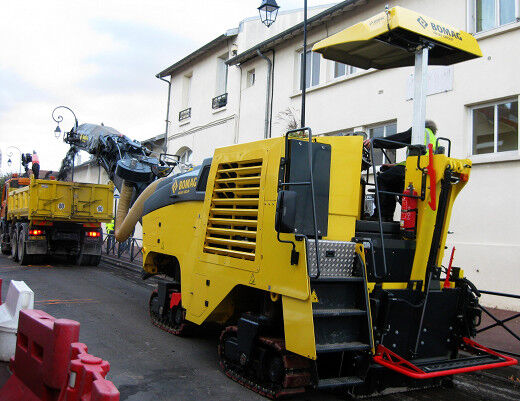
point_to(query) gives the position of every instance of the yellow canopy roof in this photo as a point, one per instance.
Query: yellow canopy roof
(390, 40)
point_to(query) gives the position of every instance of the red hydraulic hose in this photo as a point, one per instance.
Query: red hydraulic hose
(447, 280)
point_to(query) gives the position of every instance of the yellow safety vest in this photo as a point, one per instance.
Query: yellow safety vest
(110, 226)
(429, 137)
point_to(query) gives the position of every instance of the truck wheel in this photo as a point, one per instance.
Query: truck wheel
(14, 244)
(82, 260)
(95, 260)
(6, 248)
(5, 245)
(23, 257)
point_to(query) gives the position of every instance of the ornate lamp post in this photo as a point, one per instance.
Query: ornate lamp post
(268, 11)
(57, 131)
(10, 155)
(59, 119)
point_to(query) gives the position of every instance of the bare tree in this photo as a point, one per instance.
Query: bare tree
(288, 119)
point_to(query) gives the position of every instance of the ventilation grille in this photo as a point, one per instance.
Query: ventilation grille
(233, 215)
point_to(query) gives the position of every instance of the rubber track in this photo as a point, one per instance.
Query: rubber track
(297, 369)
(163, 325)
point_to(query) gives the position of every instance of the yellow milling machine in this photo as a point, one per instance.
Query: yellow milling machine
(270, 240)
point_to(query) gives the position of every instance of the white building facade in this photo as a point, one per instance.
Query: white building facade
(475, 104)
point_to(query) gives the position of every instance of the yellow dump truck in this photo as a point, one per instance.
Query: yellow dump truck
(49, 217)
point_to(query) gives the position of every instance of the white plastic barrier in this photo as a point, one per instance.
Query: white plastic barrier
(19, 296)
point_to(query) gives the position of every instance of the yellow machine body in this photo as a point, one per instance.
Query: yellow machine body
(209, 274)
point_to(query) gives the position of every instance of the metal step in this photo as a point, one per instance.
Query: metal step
(439, 366)
(338, 312)
(340, 347)
(339, 382)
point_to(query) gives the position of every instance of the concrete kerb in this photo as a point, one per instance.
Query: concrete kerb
(134, 267)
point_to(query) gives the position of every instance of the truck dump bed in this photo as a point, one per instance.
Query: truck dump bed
(61, 201)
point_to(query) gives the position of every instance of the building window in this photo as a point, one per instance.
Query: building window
(251, 78)
(382, 131)
(343, 132)
(341, 69)
(495, 127)
(491, 14)
(186, 90)
(312, 71)
(185, 156)
(222, 73)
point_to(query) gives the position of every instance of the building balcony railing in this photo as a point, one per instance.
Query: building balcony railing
(219, 101)
(185, 114)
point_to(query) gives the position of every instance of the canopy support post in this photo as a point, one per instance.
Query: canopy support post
(420, 80)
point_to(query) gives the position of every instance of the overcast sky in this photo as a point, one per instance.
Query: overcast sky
(99, 57)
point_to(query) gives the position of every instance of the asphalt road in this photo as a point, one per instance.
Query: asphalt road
(149, 364)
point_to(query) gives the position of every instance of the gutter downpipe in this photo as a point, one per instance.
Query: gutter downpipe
(237, 122)
(267, 92)
(165, 146)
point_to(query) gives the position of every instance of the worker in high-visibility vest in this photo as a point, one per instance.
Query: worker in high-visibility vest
(110, 227)
(391, 176)
(110, 235)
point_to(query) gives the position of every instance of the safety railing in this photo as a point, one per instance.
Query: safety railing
(129, 249)
(377, 191)
(185, 114)
(501, 322)
(219, 101)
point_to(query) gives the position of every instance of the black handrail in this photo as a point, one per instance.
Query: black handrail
(377, 192)
(378, 204)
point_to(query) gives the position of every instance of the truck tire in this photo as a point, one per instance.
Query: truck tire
(5, 246)
(82, 260)
(5, 249)
(23, 257)
(4, 233)
(94, 260)
(14, 244)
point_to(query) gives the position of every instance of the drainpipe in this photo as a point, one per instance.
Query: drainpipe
(267, 92)
(237, 122)
(165, 145)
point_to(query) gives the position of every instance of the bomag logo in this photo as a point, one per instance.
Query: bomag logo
(423, 23)
(446, 32)
(184, 186)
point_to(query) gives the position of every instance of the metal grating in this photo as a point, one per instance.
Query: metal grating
(233, 217)
(336, 258)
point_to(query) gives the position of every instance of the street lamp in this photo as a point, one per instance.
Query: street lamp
(59, 119)
(57, 131)
(10, 155)
(268, 11)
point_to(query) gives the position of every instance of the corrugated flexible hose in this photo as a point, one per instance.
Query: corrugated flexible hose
(126, 217)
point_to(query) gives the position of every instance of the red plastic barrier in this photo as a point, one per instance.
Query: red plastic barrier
(50, 365)
(87, 378)
(43, 351)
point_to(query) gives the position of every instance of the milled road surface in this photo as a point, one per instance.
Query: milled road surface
(149, 364)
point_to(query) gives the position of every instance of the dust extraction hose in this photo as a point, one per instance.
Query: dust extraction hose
(127, 219)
